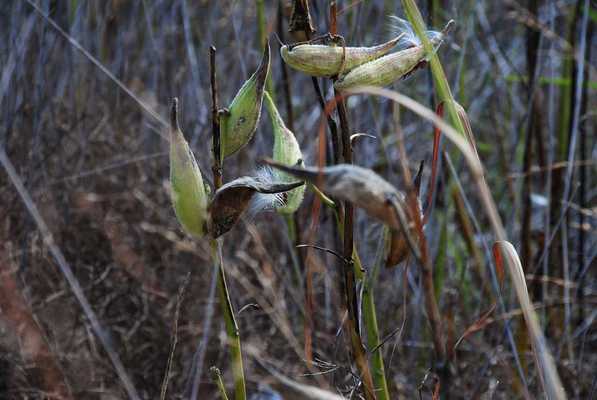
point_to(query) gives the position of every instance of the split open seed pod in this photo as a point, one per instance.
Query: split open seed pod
(323, 60)
(365, 189)
(288, 152)
(239, 123)
(187, 189)
(384, 71)
(234, 198)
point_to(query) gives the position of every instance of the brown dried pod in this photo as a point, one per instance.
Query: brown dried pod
(398, 247)
(234, 198)
(365, 189)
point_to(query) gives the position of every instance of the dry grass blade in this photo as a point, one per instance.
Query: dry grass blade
(66, 270)
(479, 324)
(548, 372)
(306, 391)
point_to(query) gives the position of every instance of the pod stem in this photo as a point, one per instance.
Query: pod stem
(215, 116)
(232, 331)
(216, 376)
(380, 389)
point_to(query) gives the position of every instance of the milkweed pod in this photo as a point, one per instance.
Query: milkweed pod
(287, 152)
(365, 189)
(187, 189)
(235, 197)
(238, 125)
(322, 60)
(386, 70)
(361, 186)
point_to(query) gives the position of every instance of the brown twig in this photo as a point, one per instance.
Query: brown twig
(215, 121)
(284, 69)
(431, 306)
(174, 342)
(348, 247)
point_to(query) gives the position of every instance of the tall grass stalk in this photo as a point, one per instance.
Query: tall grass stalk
(441, 83)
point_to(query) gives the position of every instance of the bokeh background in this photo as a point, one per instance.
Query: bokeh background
(93, 158)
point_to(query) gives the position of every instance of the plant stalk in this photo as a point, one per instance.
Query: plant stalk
(359, 354)
(232, 331)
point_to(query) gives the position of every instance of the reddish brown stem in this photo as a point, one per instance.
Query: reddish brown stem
(215, 120)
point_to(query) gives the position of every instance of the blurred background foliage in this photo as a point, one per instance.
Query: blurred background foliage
(95, 164)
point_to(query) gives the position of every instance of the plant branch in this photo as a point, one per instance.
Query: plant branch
(349, 273)
(232, 331)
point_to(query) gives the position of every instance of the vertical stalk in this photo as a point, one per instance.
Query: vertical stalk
(262, 40)
(216, 375)
(359, 355)
(378, 370)
(284, 69)
(232, 331)
(431, 306)
(441, 83)
(215, 121)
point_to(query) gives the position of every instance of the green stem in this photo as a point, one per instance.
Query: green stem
(217, 377)
(378, 371)
(293, 235)
(240, 392)
(439, 77)
(369, 315)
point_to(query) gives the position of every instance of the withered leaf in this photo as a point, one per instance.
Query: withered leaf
(232, 199)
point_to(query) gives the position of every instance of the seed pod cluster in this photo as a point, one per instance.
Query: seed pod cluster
(385, 70)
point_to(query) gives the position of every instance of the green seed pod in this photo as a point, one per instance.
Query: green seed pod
(385, 70)
(238, 125)
(287, 152)
(321, 60)
(187, 190)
